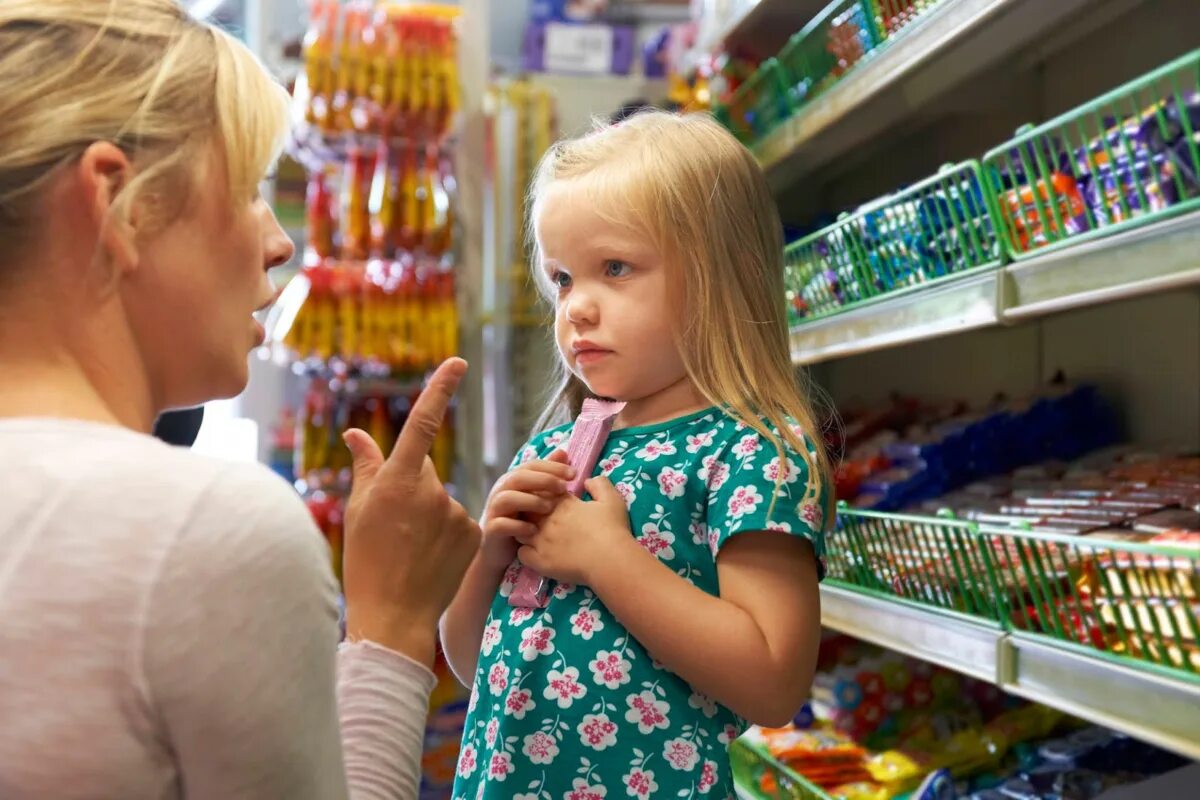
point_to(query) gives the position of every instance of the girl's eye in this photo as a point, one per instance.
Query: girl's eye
(617, 269)
(560, 279)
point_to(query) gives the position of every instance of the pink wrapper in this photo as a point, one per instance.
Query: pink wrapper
(588, 436)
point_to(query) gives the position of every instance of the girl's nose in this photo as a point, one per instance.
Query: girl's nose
(582, 309)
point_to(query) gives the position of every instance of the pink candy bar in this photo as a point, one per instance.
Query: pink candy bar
(588, 436)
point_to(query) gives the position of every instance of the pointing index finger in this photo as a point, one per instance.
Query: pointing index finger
(425, 419)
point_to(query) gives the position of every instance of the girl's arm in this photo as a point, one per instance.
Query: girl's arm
(753, 649)
(463, 623)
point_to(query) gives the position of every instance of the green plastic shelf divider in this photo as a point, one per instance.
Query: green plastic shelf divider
(751, 762)
(816, 57)
(1128, 158)
(758, 106)
(1128, 601)
(892, 16)
(942, 227)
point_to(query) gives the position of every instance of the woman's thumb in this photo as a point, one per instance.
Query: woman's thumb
(365, 453)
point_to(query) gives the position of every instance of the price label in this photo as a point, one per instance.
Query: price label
(578, 48)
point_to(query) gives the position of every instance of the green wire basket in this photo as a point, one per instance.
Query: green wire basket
(892, 16)
(943, 227)
(760, 775)
(1129, 601)
(758, 106)
(1123, 160)
(816, 57)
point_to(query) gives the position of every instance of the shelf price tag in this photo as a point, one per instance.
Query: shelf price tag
(578, 48)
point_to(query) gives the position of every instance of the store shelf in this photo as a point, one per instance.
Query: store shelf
(1154, 258)
(945, 47)
(760, 29)
(959, 305)
(1142, 702)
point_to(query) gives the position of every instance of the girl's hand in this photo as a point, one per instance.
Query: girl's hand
(519, 500)
(578, 537)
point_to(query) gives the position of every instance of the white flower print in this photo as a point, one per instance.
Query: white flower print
(500, 768)
(537, 641)
(509, 582)
(556, 439)
(705, 705)
(479, 791)
(540, 748)
(493, 729)
(564, 687)
(611, 464)
(519, 703)
(626, 491)
(640, 783)
(563, 590)
(708, 777)
(467, 761)
(586, 623)
(491, 638)
(782, 527)
(498, 678)
(790, 472)
(713, 472)
(655, 449)
(728, 735)
(657, 542)
(747, 446)
(583, 790)
(814, 515)
(519, 616)
(672, 483)
(743, 501)
(526, 796)
(648, 712)
(597, 731)
(474, 702)
(610, 670)
(528, 454)
(714, 540)
(699, 530)
(681, 754)
(699, 441)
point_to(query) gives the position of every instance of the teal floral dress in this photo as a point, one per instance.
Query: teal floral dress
(566, 705)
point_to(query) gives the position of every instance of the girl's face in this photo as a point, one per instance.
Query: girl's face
(614, 312)
(197, 285)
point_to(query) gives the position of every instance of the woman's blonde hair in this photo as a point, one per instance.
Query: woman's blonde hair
(141, 74)
(700, 196)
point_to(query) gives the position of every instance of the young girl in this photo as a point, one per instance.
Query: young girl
(685, 601)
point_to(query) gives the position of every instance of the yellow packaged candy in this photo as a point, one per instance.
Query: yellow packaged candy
(861, 791)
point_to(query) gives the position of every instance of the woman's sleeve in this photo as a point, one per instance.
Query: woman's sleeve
(239, 654)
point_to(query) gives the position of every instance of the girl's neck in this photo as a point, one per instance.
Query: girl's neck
(677, 400)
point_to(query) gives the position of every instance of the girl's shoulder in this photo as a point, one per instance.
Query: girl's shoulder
(543, 444)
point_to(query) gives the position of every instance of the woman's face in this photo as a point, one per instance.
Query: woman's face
(191, 299)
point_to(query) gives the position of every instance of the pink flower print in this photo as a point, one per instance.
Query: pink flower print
(610, 670)
(540, 748)
(813, 514)
(509, 582)
(640, 783)
(500, 768)
(537, 641)
(611, 464)
(747, 446)
(563, 590)
(708, 777)
(671, 482)
(582, 790)
(493, 730)
(657, 542)
(564, 687)
(681, 755)
(655, 449)
(597, 731)
(699, 441)
(498, 679)
(648, 712)
(782, 527)
(705, 705)
(626, 491)
(744, 501)
(728, 735)
(467, 761)
(586, 623)
(519, 616)
(557, 438)
(518, 703)
(714, 473)
(699, 530)
(787, 473)
(491, 638)
(714, 540)
(528, 454)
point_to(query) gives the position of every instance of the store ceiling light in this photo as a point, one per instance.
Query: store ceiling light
(203, 9)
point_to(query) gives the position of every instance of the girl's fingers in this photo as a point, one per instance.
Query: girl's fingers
(531, 481)
(510, 503)
(514, 528)
(559, 469)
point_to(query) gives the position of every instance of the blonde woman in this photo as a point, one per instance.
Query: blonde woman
(687, 601)
(168, 623)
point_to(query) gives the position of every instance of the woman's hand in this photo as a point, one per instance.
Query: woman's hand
(407, 542)
(578, 536)
(519, 500)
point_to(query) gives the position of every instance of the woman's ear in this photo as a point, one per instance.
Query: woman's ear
(103, 172)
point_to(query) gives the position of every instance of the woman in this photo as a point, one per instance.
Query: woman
(167, 622)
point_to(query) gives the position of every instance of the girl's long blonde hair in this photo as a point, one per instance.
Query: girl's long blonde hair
(700, 196)
(142, 74)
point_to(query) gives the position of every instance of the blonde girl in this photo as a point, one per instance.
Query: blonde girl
(686, 602)
(168, 623)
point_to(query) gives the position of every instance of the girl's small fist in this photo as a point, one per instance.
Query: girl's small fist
(579, 536)
(519, 500)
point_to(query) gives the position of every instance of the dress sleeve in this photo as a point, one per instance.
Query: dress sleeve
(241, 668)
(750, 488)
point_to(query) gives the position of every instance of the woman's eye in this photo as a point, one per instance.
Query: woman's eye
(617, 269)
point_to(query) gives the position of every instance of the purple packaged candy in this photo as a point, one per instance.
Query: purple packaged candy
(588, 436)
